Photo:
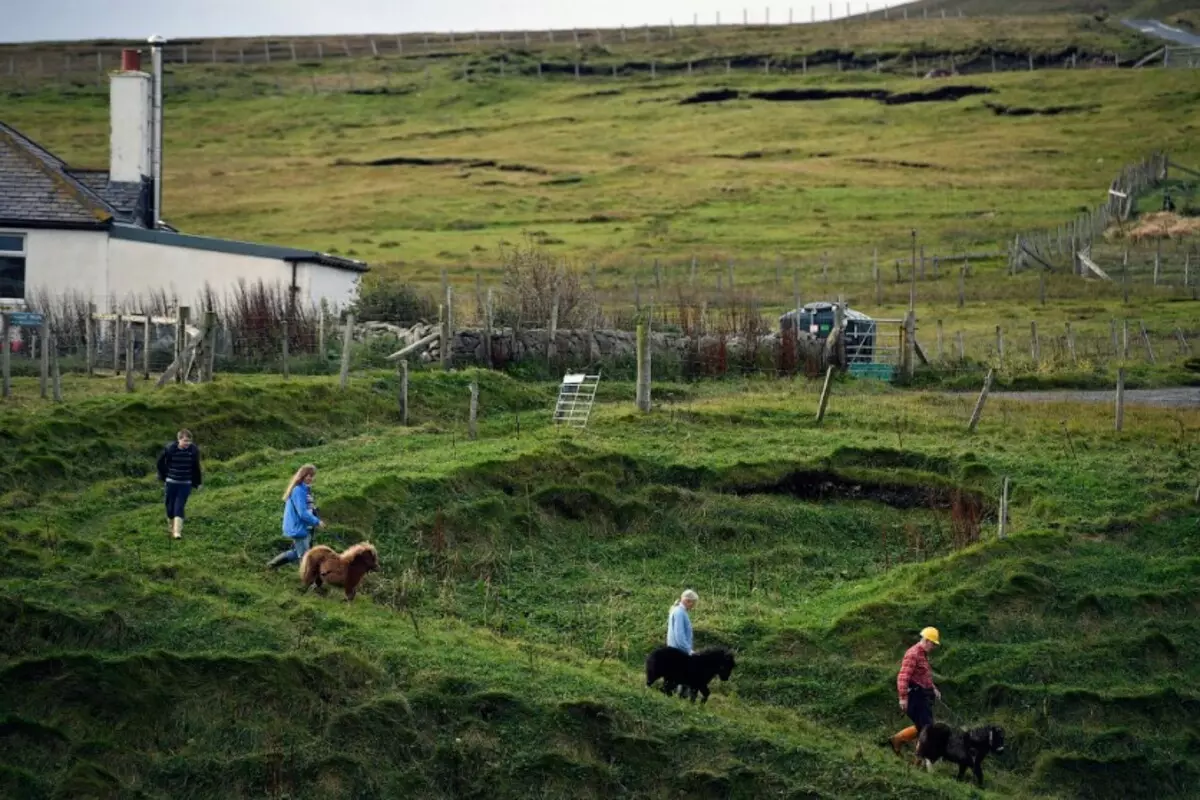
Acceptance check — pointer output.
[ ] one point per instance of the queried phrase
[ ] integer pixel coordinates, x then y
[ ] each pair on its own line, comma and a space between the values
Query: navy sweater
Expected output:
177, 465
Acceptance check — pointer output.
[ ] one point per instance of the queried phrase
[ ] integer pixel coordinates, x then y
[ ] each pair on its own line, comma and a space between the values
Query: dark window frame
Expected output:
15, 259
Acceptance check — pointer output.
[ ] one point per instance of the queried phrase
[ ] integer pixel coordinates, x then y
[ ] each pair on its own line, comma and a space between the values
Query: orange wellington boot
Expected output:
900, 739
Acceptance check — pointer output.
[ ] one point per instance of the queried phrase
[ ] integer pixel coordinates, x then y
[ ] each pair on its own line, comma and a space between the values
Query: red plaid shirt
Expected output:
914, 669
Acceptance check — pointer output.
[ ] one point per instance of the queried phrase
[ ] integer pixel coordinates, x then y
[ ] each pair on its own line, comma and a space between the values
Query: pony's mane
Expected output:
354, 551
714, 650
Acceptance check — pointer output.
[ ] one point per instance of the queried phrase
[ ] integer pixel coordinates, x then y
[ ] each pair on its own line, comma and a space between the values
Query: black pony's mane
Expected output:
710, 652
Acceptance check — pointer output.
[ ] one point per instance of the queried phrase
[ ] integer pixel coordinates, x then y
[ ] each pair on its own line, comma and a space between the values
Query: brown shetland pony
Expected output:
322, 565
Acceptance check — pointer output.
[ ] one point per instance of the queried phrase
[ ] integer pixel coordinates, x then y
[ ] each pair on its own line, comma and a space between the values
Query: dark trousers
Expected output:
920, 707
177, 497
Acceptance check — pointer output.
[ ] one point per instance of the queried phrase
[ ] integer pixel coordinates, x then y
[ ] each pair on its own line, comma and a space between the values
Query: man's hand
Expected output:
904, 704
321, 524
937, 693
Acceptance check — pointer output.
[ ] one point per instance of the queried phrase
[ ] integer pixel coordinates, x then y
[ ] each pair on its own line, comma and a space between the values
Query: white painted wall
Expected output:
67, 262
130, 142
337, 286
90, 265
137, 268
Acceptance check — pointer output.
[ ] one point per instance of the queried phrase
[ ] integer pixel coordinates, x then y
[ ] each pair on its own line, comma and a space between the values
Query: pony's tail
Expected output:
309, 567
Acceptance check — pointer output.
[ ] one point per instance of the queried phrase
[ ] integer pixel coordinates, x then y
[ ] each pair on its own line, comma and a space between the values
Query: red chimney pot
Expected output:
131, 61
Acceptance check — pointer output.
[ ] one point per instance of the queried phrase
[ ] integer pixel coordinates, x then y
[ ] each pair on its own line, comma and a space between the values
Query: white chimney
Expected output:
132, 134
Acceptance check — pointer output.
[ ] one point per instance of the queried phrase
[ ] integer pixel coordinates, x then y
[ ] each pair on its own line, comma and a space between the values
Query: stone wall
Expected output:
577, 346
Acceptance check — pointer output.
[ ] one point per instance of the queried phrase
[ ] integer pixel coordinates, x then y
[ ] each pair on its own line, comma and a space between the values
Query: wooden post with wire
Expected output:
56, 372
472, 432
1120, 421
825, 394
129, 358
403, 392
983, 395
643, 368
347, 340
44, 341
1003, 527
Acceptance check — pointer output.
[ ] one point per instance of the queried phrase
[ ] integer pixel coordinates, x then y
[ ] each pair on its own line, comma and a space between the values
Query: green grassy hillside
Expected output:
619, 173
498, 652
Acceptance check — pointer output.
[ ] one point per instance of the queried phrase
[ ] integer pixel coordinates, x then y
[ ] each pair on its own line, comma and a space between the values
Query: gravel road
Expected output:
1163, 398
1159, 30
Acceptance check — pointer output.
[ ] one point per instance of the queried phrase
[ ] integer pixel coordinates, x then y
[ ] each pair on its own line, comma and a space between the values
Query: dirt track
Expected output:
1163, 398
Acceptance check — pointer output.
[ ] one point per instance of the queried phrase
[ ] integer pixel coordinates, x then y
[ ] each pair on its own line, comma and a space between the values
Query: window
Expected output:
12, 266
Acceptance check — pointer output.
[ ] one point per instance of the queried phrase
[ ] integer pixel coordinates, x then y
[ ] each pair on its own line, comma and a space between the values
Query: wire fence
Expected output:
376, 63
687, 342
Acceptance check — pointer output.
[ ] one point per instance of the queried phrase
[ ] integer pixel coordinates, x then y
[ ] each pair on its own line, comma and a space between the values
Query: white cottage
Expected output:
97, 235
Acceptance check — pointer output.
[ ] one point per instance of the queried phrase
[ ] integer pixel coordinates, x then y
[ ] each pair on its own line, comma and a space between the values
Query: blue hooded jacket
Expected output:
297, 519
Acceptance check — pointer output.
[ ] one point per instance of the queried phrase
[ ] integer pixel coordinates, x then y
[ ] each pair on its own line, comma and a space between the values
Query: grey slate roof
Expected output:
36, 188
176, 239
129, 199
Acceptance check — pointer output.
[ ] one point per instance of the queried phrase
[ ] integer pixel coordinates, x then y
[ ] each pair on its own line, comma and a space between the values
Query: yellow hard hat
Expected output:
931, 634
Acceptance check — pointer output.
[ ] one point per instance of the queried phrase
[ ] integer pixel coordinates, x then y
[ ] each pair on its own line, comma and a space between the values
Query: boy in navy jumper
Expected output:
179, 470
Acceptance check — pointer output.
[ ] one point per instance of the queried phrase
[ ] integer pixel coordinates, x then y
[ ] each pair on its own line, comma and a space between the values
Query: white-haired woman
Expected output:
299, 516
679, 624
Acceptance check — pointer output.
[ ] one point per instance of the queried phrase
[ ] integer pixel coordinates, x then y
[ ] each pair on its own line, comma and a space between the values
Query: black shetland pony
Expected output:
692, 673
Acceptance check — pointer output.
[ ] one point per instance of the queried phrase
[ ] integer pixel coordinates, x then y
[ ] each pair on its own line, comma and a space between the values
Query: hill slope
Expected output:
1125, 9
498, 651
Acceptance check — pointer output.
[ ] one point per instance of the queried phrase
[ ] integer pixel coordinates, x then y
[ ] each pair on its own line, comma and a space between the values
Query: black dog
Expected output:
959, 746
693, 673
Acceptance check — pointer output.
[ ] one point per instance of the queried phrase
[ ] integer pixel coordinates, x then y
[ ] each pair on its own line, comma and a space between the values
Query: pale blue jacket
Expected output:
298, 521
679, 629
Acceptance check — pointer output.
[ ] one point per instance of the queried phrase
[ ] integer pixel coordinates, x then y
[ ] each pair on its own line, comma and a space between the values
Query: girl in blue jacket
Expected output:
299, 516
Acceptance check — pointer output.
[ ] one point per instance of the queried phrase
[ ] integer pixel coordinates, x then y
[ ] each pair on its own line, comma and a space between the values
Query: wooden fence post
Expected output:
552, 333
472, 433
1035, 346
825, 394
403, 392
45, 343
878, 280
910, 339
5, 356
1112, 329
129, 358
181, 318
116, 345
1125, 339
347, 340
146, 348
321, 352
89, 338
286, 371
962, 348
488, 311
1146, 339
448, 329
1000, 343
643, 368
56, 373
978, 412
210, 351
1120, 399
1003, 509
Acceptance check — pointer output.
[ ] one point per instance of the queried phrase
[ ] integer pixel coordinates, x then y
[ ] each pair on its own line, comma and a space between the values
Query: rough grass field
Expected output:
620, 173
498, 652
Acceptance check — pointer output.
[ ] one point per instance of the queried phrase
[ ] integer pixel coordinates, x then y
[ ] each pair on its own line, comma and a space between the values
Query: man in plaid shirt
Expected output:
916, 689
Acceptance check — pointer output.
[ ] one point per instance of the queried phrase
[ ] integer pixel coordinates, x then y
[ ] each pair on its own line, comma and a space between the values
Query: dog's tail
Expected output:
310, 565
